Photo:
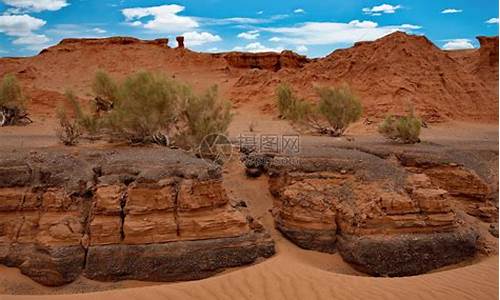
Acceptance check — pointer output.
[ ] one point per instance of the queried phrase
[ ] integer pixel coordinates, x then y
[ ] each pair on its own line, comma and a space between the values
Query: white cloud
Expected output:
260, 12
195, 38
165, 18
99, 30
230, 21
275, 39
302, 49
299, 11
249, 35
257, 47
410, 26
22, 27
363, 24
74, 30
378, 10
36, 5
492, 21
327, 33
34, 39
19, 25
456, 44
451, 11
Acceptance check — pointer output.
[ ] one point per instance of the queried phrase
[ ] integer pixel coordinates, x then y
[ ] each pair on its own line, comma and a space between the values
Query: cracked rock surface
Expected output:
145, 214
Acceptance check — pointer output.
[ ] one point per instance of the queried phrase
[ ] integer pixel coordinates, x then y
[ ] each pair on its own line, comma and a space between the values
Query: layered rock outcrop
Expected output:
146, 214
268, 61
382, 219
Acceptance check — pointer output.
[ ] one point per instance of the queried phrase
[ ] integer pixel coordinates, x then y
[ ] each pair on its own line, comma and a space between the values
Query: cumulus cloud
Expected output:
34, 39
36, 5
325, 33
249, 35
410, 26
22, 27
299, 11
457, 44
165, 18
302, 49
363, 24
195, 38
257, 47
98, 30
380, 9
451, 11
492, 21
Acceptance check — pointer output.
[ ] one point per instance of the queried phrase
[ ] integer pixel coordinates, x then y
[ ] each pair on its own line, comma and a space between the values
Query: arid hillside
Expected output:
387, 74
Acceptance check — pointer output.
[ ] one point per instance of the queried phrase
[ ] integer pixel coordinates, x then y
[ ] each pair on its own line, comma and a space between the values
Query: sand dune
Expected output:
282, 277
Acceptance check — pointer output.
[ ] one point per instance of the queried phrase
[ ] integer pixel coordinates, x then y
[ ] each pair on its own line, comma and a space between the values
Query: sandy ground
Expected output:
293, 273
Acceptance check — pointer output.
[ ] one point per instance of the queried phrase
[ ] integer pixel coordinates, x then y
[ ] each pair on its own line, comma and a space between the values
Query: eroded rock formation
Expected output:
268, 61
145, 214
180, 41
382, 218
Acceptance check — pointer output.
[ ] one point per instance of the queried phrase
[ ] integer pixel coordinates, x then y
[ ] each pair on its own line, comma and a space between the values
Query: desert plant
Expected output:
291, 107
405, 129
12, 102
104, 87
340, 107
11, 93
87, 122
69, 131
205, 117
337, 108
145, 104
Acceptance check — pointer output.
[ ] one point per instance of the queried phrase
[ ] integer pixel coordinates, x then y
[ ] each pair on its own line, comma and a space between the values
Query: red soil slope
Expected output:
386, 73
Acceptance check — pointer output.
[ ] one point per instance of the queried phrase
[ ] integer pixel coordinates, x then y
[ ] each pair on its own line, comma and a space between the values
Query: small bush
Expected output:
291, 107
204, 116
340, 107
86, 121
104, 87
405, 129
149, 108
145, 104
337, 108
12, 102
69, 131
11, 95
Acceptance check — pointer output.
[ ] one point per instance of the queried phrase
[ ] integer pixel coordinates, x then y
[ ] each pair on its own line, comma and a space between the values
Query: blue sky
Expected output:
314, 28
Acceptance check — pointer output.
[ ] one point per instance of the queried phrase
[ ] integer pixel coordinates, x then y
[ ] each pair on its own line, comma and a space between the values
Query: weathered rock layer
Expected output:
148, 214
382, 218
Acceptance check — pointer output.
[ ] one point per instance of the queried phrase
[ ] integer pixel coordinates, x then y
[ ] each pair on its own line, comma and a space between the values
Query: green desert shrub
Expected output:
205, 115
145, 104
90, 123
11, 94
69, 131
336, 110
104, 87
405, 129
340, 107
149, 108
291, 107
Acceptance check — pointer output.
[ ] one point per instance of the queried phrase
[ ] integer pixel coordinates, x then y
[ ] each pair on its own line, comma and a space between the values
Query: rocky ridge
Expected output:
385, 219
143, 214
